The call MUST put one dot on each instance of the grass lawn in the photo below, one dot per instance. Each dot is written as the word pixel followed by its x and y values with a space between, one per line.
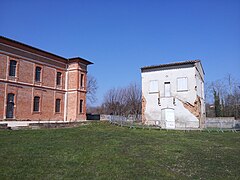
pixel 104 151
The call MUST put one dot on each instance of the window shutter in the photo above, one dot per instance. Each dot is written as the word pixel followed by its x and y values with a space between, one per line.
pixel 153 87
pixel 182 84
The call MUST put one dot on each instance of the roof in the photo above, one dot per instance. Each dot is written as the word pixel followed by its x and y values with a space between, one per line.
pixel 170 64
pixel 38 51
pixel 27 47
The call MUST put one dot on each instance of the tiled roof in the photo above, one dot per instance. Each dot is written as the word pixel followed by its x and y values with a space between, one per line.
pixel 171 64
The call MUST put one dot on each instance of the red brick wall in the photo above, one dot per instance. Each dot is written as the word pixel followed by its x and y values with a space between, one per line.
pixel 24 103
pixel 26 72
pixel 49 76
pixel 72 106
pixel 72 79
pixel 3 66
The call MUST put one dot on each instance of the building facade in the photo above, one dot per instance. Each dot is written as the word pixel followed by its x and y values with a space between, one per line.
pixel 38 85
pixel 173 95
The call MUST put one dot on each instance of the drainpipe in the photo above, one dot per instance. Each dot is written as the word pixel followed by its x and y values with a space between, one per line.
pixel 66 94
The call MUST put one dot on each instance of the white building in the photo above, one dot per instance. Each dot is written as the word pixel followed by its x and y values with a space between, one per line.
pixel 173 95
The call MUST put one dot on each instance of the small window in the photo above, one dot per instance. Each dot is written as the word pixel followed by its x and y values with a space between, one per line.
pixel 81 106
pixel 59 78
pixel 182 84
pixel 12 69
pixel 153 86
pixel 57 105
pixel 82 80
pixel 38 74
pixel 36 104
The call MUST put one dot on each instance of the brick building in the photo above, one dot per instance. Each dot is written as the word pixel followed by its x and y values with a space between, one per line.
pixel 38 85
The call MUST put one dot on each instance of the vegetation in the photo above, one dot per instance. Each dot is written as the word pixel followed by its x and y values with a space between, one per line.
pixel 217 104
pixel 123 101
pixel 224 96
pixel 104 151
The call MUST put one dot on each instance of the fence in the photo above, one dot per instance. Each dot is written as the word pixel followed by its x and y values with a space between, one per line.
pixel 211 124
pixel 222 123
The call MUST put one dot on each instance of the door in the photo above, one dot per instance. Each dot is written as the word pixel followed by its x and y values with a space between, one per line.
pixel 169 118
pixel 10 105
pixel 167 89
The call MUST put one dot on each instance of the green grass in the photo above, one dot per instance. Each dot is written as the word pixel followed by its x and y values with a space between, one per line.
pixel 104 151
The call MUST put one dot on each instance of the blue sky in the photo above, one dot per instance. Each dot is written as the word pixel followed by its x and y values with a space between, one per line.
pixel 122 36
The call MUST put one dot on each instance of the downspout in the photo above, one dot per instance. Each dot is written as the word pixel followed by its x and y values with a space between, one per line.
pixel 66 94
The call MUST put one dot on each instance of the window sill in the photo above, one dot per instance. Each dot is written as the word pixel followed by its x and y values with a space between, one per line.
pixel 38 83
pixel 59 86
pixel 153 92
pixel 182 90
pixel 12 78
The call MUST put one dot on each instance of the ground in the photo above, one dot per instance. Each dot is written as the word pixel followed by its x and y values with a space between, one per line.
pixel 105 151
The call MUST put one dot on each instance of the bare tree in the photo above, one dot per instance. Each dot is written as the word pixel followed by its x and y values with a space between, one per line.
pixel 91 89
pixel 123 101
pixel 133 99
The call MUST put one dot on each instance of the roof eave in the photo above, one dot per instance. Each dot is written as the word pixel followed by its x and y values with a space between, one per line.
pixel 81 60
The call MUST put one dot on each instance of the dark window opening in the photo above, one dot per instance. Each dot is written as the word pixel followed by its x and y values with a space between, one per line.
pixel 10 105
pixel 59 77
pixel 36 104
pixel 38 74
pixel 12 69
pixel 81 106
pixel 82 80
pixel 57 105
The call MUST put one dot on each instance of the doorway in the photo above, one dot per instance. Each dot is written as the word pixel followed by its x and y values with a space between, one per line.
pixel 169 118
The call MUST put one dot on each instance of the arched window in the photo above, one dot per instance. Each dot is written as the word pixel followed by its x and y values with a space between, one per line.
pixel 38 74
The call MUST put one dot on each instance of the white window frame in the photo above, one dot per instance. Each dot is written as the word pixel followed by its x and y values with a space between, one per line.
pixel 167 93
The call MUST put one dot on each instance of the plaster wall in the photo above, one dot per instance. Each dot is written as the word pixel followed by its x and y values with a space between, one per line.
pixel 179 101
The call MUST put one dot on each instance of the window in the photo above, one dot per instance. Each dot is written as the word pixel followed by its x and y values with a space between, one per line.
pixel 38 74
pixel 10 105
pixel 153 86
pixel 82 80
pixel 167 89
pixel 81 106
pixel 12 69
pixel 57 105
pixel 59 78
pixel 36 104
pixel 182 84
